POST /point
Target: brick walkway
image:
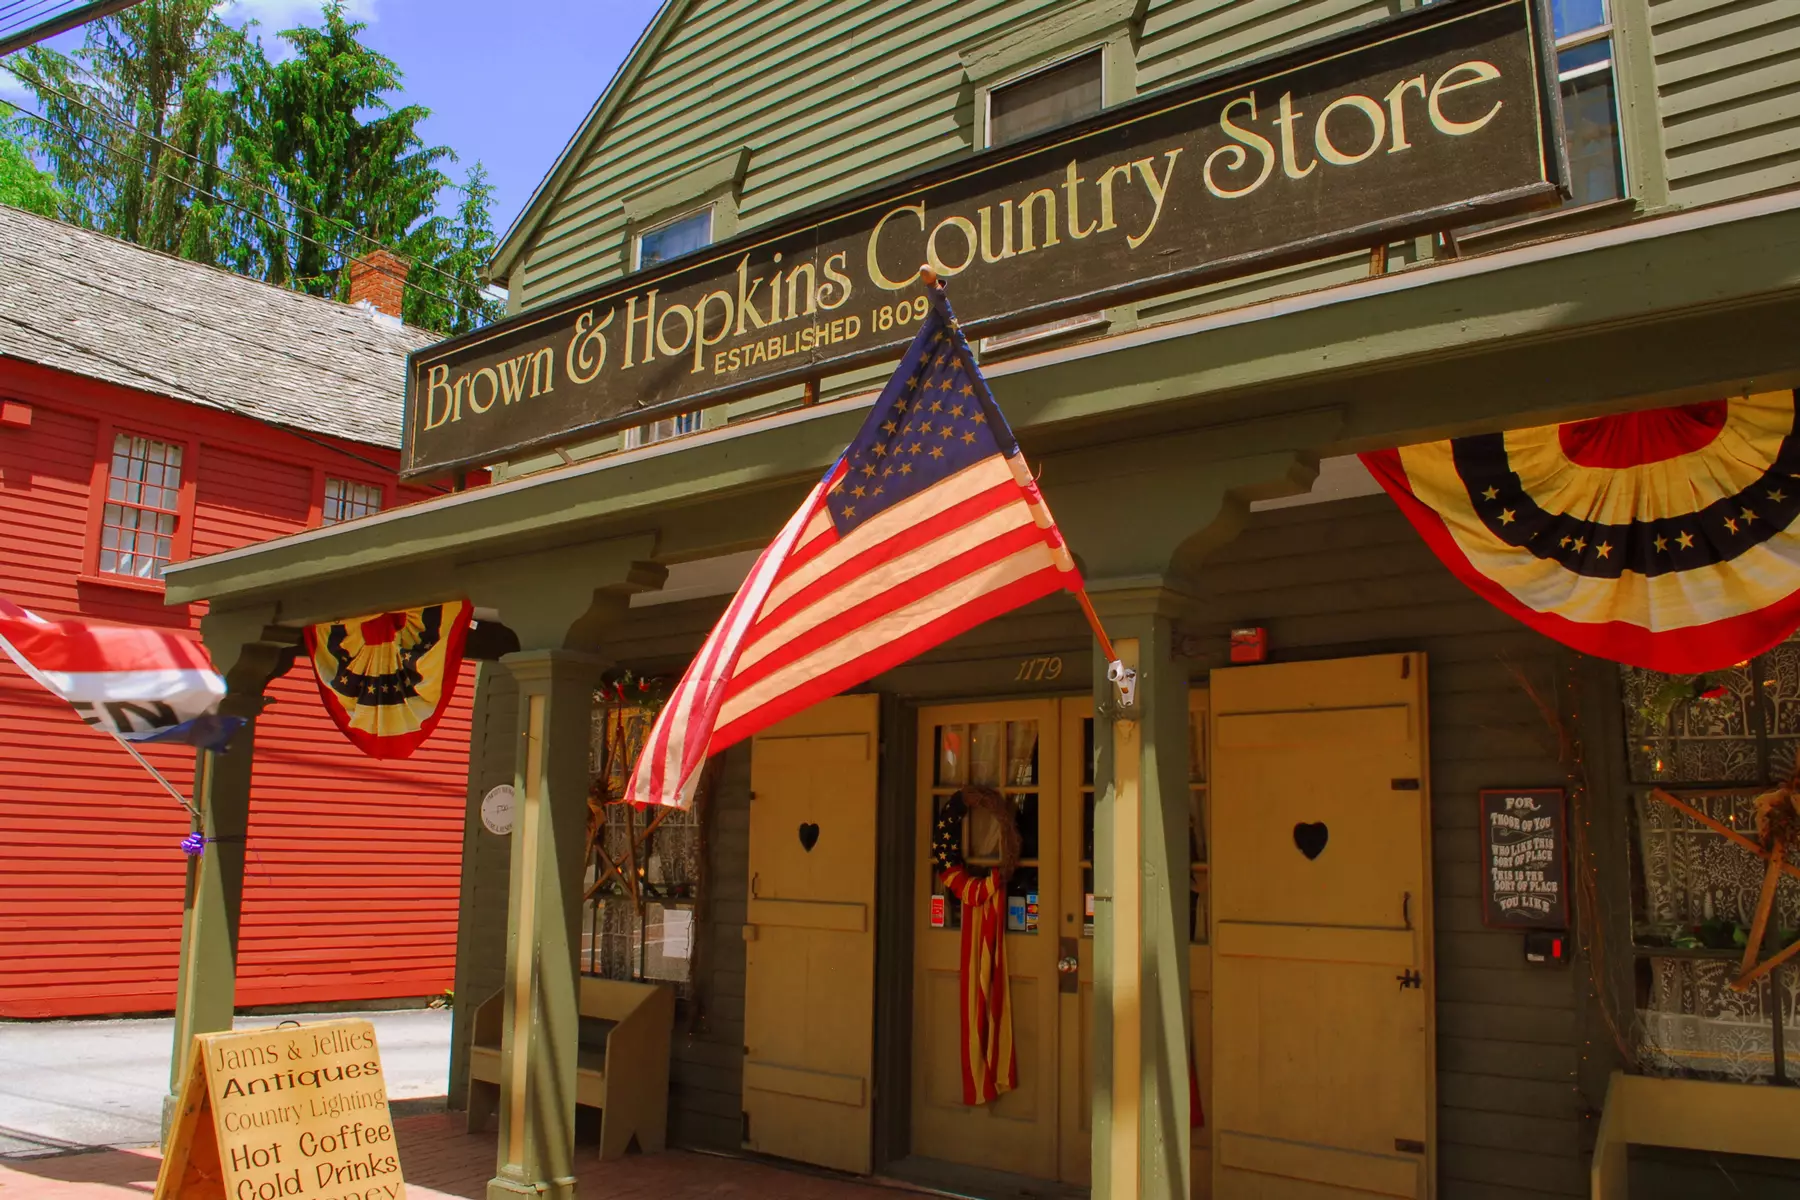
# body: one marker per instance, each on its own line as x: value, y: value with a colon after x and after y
x: 442, y: 1162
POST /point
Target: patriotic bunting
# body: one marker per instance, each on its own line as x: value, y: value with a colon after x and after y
x: 387, y: 679
x: 1664, y: 539
x: 140, y: 685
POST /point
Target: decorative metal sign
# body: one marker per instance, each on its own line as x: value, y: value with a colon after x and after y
x: 1438, y: 117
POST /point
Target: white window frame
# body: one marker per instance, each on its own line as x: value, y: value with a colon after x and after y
x: 351, y: 485
x: 663, y: 430
x: 637, y: 239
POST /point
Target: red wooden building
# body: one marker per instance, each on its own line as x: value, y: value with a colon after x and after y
x: 151, y: 410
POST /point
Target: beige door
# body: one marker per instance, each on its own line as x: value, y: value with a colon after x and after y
x: 1010, y: 746
x: 809, y: 990
x: 1321, y: 893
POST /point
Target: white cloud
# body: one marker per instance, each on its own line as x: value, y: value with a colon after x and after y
x: 276, y: 15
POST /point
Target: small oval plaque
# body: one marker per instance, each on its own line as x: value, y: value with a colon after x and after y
x: 497, y: 810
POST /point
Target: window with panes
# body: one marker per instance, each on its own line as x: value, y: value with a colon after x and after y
x: 1714, y: 743
x: 1590, y: 98
x: 641, y: 896
x: 346, y: 500
x: 143, y: 507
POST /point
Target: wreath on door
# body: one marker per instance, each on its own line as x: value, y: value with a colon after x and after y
x: 947, y: 837
x: 990, y: 1066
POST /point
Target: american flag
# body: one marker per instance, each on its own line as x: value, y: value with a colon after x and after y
x: 928, y: 525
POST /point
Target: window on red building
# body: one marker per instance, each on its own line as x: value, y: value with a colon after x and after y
x: 137, y: 526
x: 346, y: 500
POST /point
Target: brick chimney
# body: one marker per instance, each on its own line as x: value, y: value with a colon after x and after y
x: 379, y: 277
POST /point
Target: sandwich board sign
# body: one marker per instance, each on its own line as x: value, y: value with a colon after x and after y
x: 298, y: 1112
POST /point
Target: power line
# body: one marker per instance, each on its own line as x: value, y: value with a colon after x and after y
x: 279, y: 228
x: 62, y: 24
x: 127, y: 125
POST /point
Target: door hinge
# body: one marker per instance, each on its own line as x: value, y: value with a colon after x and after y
x: 1410, y: 979
x: 1409, y: 1146
x: 1405, y: 785
x: 746, y: 1128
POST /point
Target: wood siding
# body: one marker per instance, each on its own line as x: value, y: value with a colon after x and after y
x: 833, y: 97
x: 351, y: 878
x: 1728, y: 85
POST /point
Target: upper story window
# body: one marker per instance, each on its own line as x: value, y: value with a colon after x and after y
x: 658, y: 431
x: 1045, y: 99
x: 1590, y: 97
x: 137, y: 525
x: 346, y: 500
x: 671, y: 240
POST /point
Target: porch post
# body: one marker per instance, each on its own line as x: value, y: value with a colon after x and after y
x: 538, y: 1056
x: 206, y: 980
x: 1141, y: 1106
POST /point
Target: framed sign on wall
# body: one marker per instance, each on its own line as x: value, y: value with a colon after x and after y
x: 1524, y: 858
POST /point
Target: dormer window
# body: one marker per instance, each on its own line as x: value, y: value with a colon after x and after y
x: 672, y: 239
x: 1055, y: 95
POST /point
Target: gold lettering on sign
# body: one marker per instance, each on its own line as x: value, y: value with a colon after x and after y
x: 587, y: 349
x: 1158, y: 189
x: 1046, y: 668
x: 1329, y: 151
x: 963, y: 226
x: 1479, y: 73
x: 875, y: 274
x: 1234, y: 153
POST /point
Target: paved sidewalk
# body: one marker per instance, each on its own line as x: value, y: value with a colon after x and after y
x: 441, y: 1162
x: 68, y: 1085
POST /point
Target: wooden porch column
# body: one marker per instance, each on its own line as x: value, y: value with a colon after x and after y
x: 1141, y: 883
x: 206, y: 981
x: 538, y: 1051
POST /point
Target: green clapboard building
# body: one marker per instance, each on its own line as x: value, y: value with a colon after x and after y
x: 1208, y: 252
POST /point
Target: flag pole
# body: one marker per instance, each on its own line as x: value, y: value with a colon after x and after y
x: 1124, y: 678
x: 158, y: 776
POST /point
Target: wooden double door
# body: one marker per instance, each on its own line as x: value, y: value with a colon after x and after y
x: 1039, y: 755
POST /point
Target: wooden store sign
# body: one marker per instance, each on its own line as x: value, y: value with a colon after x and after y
x: 299, y: 1112
x: 1438, y: 117
x: 1524, y: 859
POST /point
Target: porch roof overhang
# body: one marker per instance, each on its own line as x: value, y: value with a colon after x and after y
x: 1665, y: 309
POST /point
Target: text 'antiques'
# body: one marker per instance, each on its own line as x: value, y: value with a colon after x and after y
x: 1438, y: 117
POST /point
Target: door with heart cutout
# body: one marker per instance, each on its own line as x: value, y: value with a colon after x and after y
x: 809, y: 988
x: 1323, y: 1030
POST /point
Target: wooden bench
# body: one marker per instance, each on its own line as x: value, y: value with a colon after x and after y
x: 1689, y: 1114
x: 622, y: 1062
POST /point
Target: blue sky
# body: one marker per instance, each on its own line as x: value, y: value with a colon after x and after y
x: 507, y: 83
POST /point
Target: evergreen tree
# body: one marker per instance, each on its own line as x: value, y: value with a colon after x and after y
x: 22, y: 183
x: 335, y: 160
x: 458, y: 248
x: 171, y: 129
x: 135, y: 123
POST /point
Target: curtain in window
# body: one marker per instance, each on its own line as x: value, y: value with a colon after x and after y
x: 1667, y: 539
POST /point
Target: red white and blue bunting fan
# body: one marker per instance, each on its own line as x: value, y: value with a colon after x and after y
x: 1665, y: 539
x: 386, y: 679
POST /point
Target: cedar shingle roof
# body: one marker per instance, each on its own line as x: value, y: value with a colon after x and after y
x: 93, y: 305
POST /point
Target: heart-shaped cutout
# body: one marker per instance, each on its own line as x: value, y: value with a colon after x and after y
x: 1310, y: 838
x: 809, y: 836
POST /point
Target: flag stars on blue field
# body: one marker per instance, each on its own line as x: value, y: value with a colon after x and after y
x: 928, y: 425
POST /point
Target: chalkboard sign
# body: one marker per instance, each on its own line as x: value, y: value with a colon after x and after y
x: 1524, y: 859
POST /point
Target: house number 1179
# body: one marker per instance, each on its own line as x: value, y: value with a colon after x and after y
x: 1035, y: 670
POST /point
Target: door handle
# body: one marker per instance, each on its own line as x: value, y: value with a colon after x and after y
x: 1406, y: 909
x: 1068, y: 966
x: 754, y: 880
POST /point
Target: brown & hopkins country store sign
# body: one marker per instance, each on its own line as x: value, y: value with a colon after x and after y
x: 1438, y: 117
